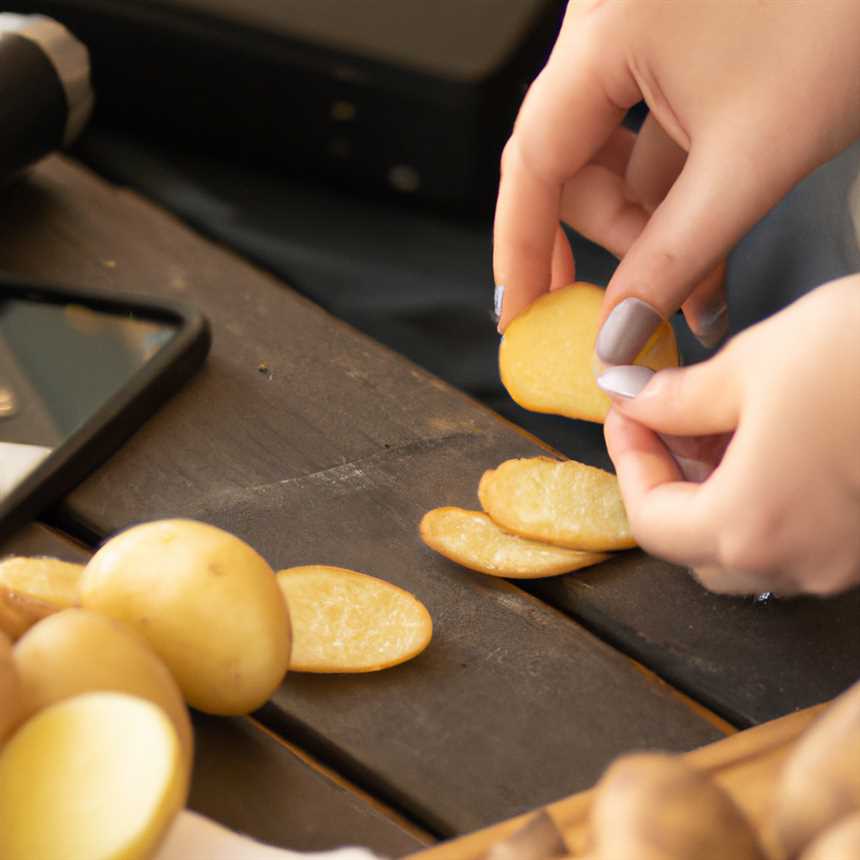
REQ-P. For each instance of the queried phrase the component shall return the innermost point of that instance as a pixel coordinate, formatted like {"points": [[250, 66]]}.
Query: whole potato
{"points": [[840, 842], [207, 603], [9, 689], [77, 651], [821, 781], [651, 806]]}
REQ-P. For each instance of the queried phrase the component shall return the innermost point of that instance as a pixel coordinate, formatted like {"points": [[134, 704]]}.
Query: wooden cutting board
{"points": [[746, 764]]}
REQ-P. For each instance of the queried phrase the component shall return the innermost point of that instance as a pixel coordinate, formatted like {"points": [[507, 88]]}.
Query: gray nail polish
{"points": [[498, 301], [626, 331], [625, 380], [714, 326]]}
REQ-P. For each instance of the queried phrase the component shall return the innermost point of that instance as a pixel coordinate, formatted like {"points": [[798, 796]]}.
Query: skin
{"points": [[725, 83], [780, 511]]}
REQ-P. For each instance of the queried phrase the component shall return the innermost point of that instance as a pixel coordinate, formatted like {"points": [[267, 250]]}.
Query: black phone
{"points": [[80, 370]]}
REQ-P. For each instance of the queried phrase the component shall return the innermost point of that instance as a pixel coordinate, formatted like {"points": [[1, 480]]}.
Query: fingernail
{"points": [[498, 302], [625, 380], [713, 326], [626, 331]]}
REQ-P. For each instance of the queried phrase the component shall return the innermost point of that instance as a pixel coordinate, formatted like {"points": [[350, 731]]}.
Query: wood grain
{"points": [[331, 455]]}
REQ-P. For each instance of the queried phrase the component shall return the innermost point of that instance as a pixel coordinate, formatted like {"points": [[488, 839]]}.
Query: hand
{"points": [[781, 511], [745, 100]]}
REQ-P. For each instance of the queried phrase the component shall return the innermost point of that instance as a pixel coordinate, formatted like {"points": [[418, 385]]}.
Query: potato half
{"points": [[820, 783], [546, 358], [10, 689], [652, 806], [344, 621], [472, 539], [77, 651], [47, 580], [19, 612], [206, 602], [97, 777], [561, 502]]}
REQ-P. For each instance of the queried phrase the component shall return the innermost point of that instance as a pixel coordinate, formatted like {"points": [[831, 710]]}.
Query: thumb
{"points": [[722, 191]]}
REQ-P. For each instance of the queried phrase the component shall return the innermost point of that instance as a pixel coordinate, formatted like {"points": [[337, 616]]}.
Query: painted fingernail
{"points": [[498, 302], [626, 331], [625, 380], [713, 326]]}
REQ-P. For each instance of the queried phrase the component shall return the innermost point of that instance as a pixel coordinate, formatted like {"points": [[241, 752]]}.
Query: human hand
{"points": [[781, 511], [745, 100]]}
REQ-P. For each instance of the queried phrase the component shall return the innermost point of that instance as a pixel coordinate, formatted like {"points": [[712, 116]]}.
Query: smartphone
{"points": [[80, 370]]}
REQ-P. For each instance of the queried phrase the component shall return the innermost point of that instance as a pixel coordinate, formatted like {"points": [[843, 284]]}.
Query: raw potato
{"points": [[10, 690], [820, 784], [840, 842], [651, 806], [47, 580], [207, 603], [19, 612], [473, 540], [77, 651], [97, 777], [345, 621], [559, 502], [546, 358]]}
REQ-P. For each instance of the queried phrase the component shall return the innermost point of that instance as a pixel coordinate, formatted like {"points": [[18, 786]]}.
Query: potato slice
{"points": [[546, 358], [47, 580], [473, 540], [344, 621], [561, 502], [77, 651], [205, 601], [97, 777], [10, 689], [19, 612]]}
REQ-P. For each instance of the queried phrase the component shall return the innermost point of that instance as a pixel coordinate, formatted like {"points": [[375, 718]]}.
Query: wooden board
{"points": [[331, 454], [748, 662], [747, 765], [251, 781]]}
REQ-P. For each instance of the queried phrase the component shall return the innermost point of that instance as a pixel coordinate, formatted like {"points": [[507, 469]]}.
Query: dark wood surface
{"points": [[250, 781], [331, 456]]}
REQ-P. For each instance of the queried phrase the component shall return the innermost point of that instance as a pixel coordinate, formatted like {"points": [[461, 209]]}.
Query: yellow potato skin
{"points": [[10, 690], [820, 783], [546, 358], [206, 602], [78, 651], [47, 580], [19, 612], [96, 777]]}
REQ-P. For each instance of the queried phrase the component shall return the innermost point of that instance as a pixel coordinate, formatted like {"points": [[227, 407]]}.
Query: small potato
{"points": [[19, 612], [206, 602], [840, 842], [472, 539], [47, 580], [546, 358], [10, 690], [344, 621], [820, 783], [97, 777], [77, 651], [651, 806], [559, 502]]}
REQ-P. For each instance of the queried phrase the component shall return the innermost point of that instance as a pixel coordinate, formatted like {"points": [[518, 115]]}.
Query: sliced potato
{"points": [[10, 690], [344, 621], [473, 540], [77, 651], [19, 612], [47, 580], [205, 601], [561, 502], [97, 777], [546, 358], [820, 783], [652, 806]]}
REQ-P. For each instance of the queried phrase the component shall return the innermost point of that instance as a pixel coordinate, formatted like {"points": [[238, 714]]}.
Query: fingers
{"points": [[700, 400], [707, 310], [669, 518], [563, 267]]}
